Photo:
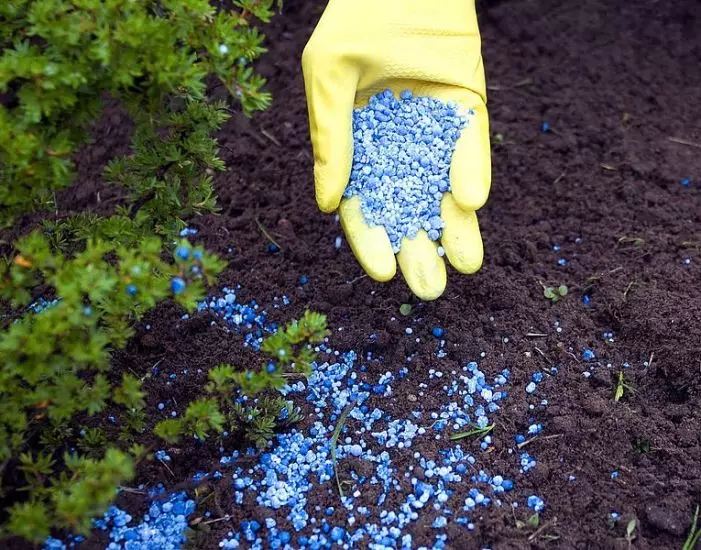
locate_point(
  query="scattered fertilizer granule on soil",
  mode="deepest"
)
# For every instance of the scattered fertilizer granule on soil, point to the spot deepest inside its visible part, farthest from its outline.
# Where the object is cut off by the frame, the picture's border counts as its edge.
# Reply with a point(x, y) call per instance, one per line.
point(401, 162)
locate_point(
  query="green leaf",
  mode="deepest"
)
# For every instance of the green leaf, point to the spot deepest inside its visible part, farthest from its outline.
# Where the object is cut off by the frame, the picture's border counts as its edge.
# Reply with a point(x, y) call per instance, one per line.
point(694, 533)
point(534, 521)
point(405, 309)
point(222, 379)
point(203, 416)
point(471, 433)
point(29, 520)
point(170, 430)
point(620, 388)
point(129, 393)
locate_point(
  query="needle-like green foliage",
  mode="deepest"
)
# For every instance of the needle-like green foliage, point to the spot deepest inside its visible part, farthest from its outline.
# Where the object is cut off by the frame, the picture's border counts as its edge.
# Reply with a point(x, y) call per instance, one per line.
point(61, 61)
point(247, 401)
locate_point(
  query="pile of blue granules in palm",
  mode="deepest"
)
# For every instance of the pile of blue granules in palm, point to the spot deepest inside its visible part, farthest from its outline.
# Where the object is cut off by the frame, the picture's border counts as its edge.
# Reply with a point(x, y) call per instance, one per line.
point(402, 148)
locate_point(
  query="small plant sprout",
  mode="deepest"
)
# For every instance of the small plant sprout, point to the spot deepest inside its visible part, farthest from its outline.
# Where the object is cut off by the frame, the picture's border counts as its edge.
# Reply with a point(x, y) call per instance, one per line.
point(694, 534)
point(621, 387)
point(533, 522)
point(630, 241)
point(641, 446)
point(631, 527)
point(554, 294)
point(405, 309)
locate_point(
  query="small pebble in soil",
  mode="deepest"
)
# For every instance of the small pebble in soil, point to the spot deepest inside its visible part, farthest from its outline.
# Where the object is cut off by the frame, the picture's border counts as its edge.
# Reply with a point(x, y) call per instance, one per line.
point(401, 162)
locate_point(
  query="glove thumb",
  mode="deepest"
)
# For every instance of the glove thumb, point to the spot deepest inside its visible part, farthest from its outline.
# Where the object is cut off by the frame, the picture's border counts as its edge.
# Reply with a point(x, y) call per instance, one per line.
point(330, 83)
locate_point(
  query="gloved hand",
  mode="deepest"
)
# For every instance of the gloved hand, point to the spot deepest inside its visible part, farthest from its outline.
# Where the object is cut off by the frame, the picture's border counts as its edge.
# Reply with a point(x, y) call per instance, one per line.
point(361, 47)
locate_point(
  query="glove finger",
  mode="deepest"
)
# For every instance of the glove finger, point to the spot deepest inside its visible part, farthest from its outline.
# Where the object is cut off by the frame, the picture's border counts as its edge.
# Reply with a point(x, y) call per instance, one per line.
point(330, 85)
point(370, 245)
point(461, 237)
point(423, 269)
point(471, 165)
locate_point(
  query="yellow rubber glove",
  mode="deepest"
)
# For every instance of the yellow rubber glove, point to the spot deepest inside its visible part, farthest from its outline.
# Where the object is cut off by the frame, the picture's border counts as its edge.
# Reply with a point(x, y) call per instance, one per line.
point(361, 47)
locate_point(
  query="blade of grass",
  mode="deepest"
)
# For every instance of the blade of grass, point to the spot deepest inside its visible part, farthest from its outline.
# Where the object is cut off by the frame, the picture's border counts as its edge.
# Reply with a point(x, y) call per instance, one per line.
point(476, 431)
point(695, 533)
point(334, 441)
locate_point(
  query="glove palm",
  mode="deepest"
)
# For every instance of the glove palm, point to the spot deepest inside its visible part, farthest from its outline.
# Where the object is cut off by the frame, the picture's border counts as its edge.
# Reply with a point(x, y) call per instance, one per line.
point(361, 47)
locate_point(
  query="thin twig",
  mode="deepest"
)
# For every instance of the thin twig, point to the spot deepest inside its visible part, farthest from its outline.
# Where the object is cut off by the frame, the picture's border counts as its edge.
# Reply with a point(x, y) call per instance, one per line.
point(227, 517)
point(535, 335)
point(683, 141)
point(357, 279)
point(270, 137)
point(544, 527)
point(542, 354)
point(519, 84)
point(628, 289)
point(167, 467)
point(130, 490)
point(537, 438)
point(267, 235)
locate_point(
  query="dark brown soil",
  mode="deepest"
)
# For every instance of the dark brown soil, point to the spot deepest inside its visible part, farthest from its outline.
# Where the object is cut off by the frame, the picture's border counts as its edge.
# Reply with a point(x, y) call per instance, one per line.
point(614, 80)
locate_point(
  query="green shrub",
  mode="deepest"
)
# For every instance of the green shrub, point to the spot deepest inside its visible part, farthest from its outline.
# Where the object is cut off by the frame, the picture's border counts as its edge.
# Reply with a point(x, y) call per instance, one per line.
point(62, 58)
point(290, 351)
point(60, 61)
point(55, 366)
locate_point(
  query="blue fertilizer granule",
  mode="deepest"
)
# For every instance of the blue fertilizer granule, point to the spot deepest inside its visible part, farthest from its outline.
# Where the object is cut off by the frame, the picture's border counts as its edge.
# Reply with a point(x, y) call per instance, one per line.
point(162, 528)
point(402, 148)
